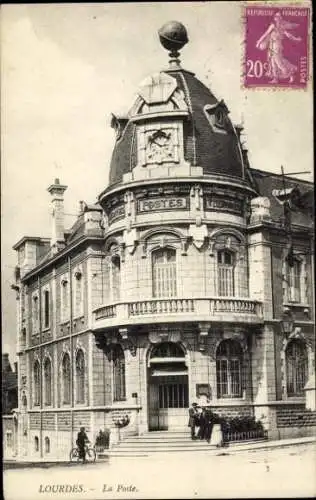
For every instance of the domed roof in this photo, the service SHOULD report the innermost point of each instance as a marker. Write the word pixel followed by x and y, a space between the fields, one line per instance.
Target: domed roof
pixel 210 140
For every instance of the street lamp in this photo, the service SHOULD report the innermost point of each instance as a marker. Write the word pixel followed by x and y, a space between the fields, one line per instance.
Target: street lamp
pixel 287 323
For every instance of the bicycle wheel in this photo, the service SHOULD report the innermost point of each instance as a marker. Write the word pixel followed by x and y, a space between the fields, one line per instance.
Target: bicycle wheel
pixel 74 455
pixel 91 455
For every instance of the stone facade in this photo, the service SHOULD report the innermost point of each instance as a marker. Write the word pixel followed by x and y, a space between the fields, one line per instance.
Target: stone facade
pixel 170 289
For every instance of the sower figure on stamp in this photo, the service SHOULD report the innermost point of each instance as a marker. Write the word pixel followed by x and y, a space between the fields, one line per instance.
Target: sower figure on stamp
pixel 272 41
pixel 81 441
pixel 193 417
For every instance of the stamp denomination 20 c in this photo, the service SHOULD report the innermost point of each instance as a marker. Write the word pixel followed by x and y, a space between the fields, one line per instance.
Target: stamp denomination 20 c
pixel 276 46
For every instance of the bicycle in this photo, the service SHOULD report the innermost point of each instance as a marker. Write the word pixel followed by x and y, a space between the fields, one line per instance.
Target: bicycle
pixel 90 453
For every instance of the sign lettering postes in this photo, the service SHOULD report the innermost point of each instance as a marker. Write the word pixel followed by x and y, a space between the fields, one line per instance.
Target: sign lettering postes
pixel 117 212
pixel 219 203
pixel 166 203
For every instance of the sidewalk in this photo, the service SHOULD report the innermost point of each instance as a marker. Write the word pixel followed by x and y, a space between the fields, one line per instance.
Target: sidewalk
pixel 225 450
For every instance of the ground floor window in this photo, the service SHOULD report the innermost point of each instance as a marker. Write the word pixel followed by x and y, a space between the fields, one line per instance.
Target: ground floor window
pixel 296 367
pixel 229 369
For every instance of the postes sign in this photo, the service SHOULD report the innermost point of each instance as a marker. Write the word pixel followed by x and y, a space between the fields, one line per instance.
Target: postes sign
pixel 165 203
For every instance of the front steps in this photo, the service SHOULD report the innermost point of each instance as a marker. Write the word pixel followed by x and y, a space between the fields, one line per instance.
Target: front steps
pixel 162 442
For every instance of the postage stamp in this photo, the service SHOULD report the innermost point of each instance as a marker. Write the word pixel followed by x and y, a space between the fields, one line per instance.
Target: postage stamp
pixel 276 48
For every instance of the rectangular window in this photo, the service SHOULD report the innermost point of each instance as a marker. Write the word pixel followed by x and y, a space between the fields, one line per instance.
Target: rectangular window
pixel 222 377
pixel 78 295
pixel 46 311
pixel 64 300
pixel 228 378
pixel 35 314
pixel 294 282
pixel 164 273
pixel 226 281
pixel 225 262
pixel 116 278
pixel 235 378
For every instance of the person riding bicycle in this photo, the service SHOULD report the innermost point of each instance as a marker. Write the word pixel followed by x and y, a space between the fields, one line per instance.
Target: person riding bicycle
pixel 81 441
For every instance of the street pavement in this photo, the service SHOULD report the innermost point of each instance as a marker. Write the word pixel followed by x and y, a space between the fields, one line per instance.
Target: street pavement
pixel 281 472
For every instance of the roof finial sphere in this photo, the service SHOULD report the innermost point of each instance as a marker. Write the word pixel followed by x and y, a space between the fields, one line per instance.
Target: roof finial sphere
pixel 173 36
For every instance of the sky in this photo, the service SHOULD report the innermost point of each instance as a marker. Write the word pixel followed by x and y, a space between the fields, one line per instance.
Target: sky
pixel 66 67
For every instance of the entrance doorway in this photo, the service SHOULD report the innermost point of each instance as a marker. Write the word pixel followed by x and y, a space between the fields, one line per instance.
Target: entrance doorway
pixel 168 388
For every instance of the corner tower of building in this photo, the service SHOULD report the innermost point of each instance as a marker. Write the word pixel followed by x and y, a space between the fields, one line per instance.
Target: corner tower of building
pixel 176 128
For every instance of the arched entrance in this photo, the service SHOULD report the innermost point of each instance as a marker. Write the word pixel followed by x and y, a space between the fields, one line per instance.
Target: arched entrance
pixel 167 387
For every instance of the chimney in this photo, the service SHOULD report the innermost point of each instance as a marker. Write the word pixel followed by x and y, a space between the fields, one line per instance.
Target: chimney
pixel 57 191
pixel 6 367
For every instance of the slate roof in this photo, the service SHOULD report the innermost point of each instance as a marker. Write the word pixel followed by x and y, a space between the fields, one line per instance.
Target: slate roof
pixel 217 153
pixel 303 213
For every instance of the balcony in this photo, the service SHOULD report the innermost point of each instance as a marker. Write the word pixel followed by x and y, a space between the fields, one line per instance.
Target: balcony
pixel 173 310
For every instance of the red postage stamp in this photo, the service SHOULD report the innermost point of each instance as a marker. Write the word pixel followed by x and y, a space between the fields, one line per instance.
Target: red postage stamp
pixel 276 46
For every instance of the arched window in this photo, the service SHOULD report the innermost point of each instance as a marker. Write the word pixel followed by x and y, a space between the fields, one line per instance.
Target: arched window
pixel 36 443
pixel 66 374
pixel 116 277
pixel 119 374
pixel 47 445
pixel 296 367
pixel 226 281
pixel 37 383
pixel 229 369
pixel 80 377
pixel 164 273
pixel 47 382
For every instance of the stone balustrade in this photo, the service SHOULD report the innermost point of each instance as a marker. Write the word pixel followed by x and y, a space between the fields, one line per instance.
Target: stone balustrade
pixel 162 306
pixel 242 310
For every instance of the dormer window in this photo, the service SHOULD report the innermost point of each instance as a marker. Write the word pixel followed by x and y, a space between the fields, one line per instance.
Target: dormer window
pixel 118 123
pixel 220 118
pixel 216 115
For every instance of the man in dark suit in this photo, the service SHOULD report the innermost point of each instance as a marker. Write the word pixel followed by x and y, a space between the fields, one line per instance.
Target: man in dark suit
pixel 193 417
pixel 203 425
pixel 208 424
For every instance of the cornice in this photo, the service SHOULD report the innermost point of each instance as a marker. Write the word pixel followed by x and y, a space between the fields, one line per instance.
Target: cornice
pixel 213 180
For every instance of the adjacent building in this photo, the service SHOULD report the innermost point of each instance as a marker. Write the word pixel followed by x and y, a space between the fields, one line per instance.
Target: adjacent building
pixel 190 280
pixel 9 407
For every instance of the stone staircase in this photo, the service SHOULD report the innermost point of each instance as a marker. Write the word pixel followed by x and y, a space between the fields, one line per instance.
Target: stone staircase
pixel 162 442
